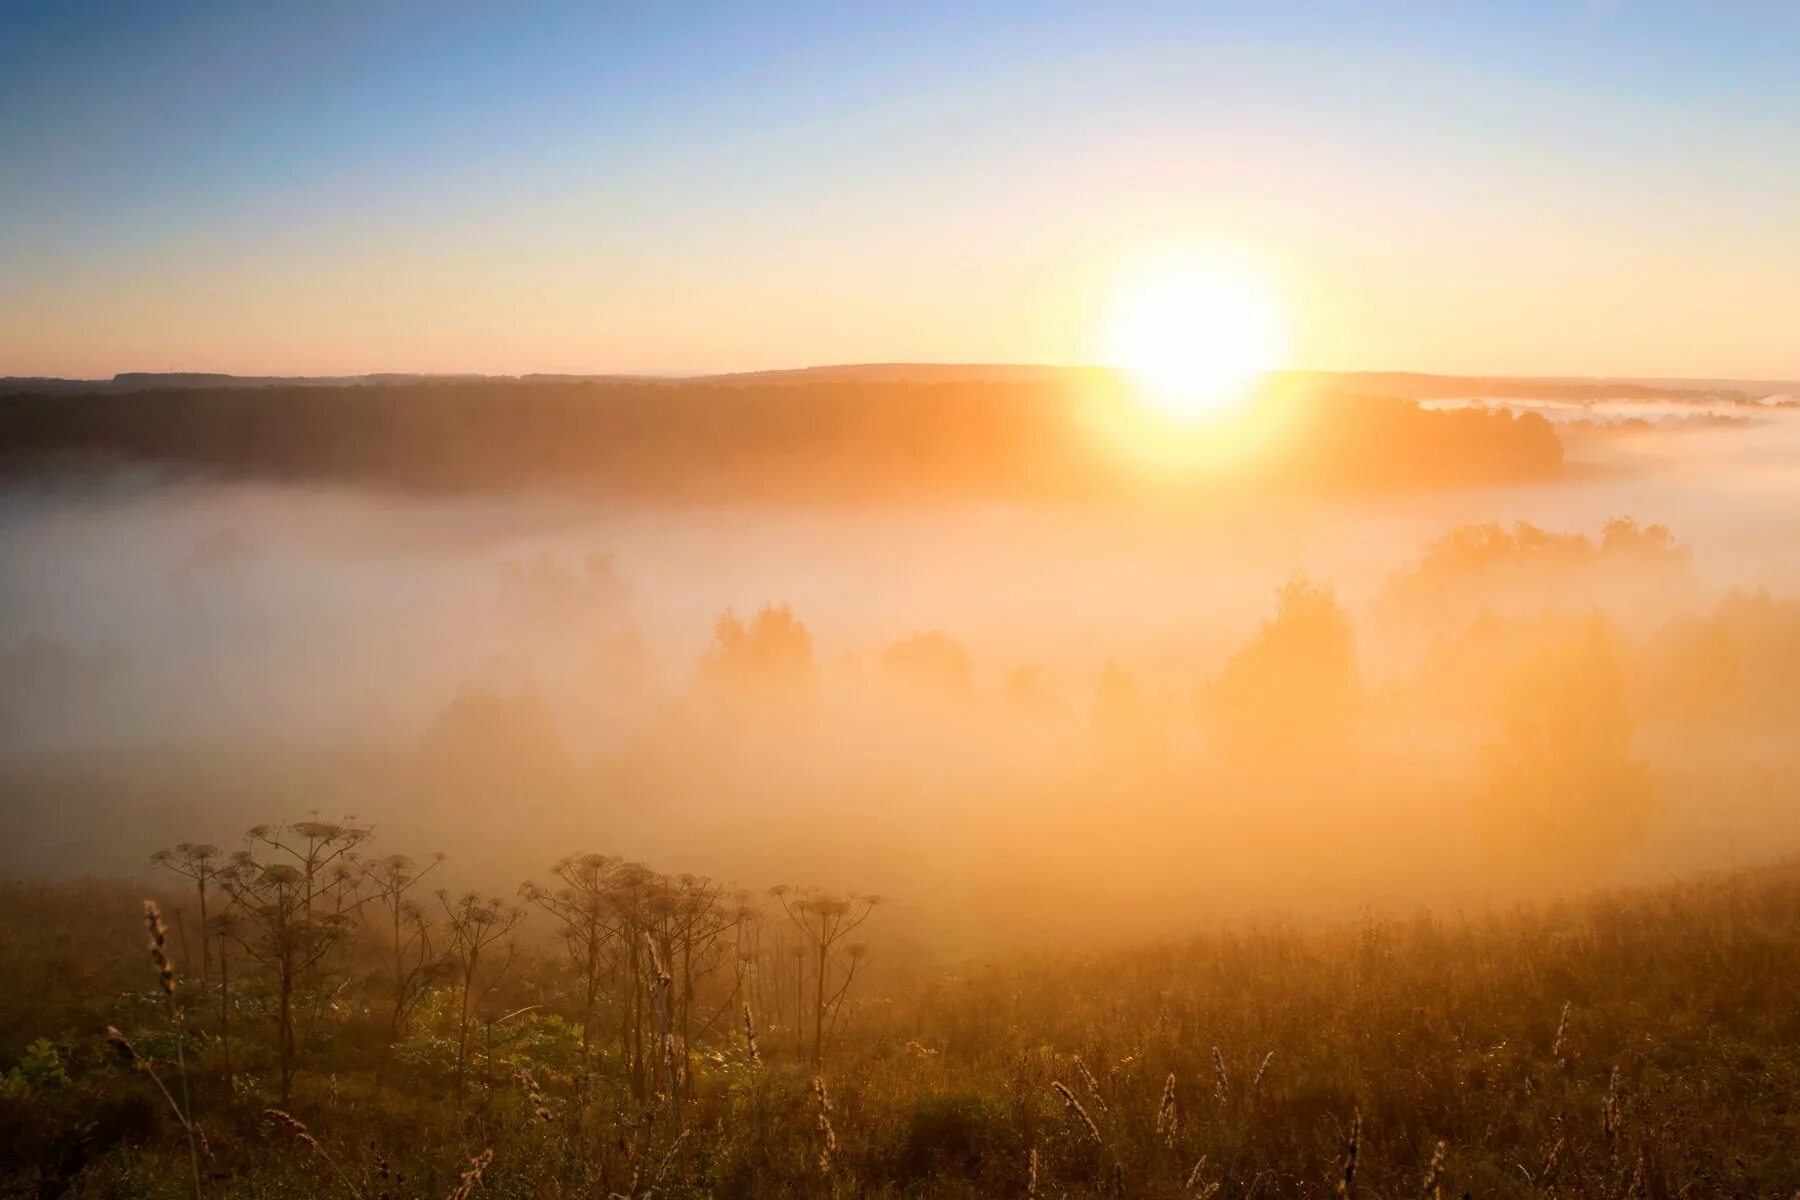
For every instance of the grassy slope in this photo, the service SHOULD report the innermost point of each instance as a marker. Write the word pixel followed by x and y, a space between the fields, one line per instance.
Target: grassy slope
pixel 1432 1029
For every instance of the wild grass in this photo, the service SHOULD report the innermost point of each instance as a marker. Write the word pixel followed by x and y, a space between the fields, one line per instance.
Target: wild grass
pixel 1640 1044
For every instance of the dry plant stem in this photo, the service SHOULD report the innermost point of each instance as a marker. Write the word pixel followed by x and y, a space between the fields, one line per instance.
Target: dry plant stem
pixel 1434 1174
pixel 117 1040
pixel 827 1134
pixel 1193 1178
pixel 1074 1106
pixel 187 1122
pixel 305 1135
pixel 478 1165
pixel 1093 1085
pixel 166 977
pixel 1346 1187
pixel 659 990
pixel 663 1169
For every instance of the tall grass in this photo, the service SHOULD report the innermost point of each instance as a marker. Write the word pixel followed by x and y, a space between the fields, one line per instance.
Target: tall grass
pixel 1637 1044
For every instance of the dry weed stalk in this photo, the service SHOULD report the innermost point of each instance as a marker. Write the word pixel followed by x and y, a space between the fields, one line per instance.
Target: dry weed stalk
pixel 298 1128
pixel 1562 1028
pixel 1262 1070
pixel 659 992
pixel 1352 1151
pixel 1542 1183
pixel 130 1057
pixel 1434 1174
pixel 534 1095
pixel 165 977
pixel 471 1176
pixel 1074 1106
pixel 1193 1179
pixel 1168 1115
pixel 1223 1078
pixel 1612 1124
pixel 663 1168
pixel 750 1038
pixel 1093 1085
pixel 827 1135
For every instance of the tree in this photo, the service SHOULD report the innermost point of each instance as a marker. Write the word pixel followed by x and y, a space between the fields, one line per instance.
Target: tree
pixel 767 661
pixel 1563 779
pixel 1295 686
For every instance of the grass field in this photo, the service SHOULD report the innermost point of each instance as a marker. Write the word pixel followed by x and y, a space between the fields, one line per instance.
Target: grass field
pixel 1642 1044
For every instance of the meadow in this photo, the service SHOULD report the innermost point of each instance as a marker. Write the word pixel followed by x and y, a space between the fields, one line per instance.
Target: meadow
pixel 352 1034
pixel 1155 601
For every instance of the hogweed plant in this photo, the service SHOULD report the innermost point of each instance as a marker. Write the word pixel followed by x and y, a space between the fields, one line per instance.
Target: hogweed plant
pixel 200 863
pixel 950 1084
pixel 477 925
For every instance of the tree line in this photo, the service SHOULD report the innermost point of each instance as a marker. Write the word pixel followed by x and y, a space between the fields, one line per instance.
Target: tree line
pixel 787 440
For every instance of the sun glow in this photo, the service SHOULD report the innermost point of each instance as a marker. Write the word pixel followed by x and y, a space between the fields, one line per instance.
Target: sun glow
pixel 1196 337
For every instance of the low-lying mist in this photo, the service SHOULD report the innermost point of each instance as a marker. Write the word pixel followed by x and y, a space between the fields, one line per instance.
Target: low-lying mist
pixel 1021 720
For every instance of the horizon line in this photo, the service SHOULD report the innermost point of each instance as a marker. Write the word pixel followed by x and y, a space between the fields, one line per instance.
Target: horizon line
pixel 684 375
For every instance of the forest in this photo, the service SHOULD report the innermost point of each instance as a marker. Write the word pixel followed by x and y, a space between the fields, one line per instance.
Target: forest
pixel 777 438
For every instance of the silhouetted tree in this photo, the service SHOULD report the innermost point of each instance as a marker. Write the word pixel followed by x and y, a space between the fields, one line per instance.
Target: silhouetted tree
pixel 1295 687
pixel 1563 778
pixel 767 661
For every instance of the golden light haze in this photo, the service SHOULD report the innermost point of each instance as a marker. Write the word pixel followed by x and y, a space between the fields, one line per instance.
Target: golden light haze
pixel 1510 300
pixel 1196 334
pixel 1193 598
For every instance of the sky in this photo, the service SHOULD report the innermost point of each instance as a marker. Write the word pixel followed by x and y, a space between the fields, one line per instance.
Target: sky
pixel 1570 188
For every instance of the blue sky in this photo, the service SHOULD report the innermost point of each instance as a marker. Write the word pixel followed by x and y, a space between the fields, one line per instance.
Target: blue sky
pixel 1559 188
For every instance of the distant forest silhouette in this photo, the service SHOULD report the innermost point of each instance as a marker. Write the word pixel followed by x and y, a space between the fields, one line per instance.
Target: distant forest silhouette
pixel 770 438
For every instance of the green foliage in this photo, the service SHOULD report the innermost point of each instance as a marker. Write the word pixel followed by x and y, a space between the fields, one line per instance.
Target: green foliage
pixel 41 1068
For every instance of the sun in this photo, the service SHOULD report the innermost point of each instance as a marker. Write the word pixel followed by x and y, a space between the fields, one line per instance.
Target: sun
pixel 1196 337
